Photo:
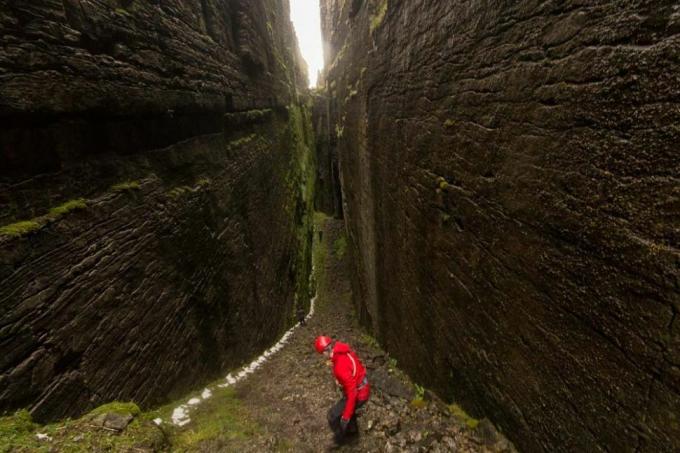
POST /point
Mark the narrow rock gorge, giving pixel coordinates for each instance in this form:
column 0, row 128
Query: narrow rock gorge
column 510, row 179
column 156, row 191
column 503, row 179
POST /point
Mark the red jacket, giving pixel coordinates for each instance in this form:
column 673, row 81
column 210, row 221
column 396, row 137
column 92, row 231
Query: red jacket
column 350, row 374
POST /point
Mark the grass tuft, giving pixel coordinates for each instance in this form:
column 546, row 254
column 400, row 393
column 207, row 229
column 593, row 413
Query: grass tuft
column 340, row 246
column 19, row 229
column 69, row 206
column 127, row 186
column 379, row 16
column 463, row 416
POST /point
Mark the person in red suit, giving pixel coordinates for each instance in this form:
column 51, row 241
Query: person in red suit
column 350, row 374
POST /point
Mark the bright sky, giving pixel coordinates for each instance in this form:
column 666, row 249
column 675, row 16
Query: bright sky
column 307, row 20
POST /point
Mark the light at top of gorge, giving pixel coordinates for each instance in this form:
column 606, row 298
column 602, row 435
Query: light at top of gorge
column 306, row 18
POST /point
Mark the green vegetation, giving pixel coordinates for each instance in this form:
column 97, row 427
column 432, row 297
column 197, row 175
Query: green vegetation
column 203, row 182
column 69, row 206
column 126, row 186
column 20, row 228
column 300, row 182
column 370, row 341
column 392, row 362
column 117, row 407
column 14, row 429
column 219, row 419
column 176, row 192
column 379, row 16
column 338, row 58
column 418, row 401
column 319, row 248
column 449, row 123
column 339, row 130
column 420, row 391
column 18, row 433
column 463, row 416
column 340, row 246
column 241, row 141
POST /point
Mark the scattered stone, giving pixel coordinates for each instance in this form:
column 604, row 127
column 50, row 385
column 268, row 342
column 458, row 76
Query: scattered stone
column 43, row 437
column 112, row 420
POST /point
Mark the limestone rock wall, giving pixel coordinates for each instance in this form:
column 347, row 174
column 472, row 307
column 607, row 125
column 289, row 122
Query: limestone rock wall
column 510, row 174
column 156, row 182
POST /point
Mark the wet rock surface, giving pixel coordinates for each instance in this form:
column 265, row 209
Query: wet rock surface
column 290, row 395
column 509, row 172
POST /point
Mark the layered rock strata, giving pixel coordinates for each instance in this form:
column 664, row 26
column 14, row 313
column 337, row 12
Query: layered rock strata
column 156, row 185
column 510, row 174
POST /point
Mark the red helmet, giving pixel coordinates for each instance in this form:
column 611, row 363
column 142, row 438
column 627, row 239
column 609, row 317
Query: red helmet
column 321, row 343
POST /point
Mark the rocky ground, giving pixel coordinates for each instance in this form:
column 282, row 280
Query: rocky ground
column 289, row 396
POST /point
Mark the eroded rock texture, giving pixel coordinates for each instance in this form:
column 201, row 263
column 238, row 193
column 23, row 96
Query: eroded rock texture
column 510, row 173
column 156, row 181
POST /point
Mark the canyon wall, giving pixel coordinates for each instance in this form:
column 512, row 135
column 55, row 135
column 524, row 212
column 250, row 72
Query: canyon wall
column 510, row 179
column 156, row 186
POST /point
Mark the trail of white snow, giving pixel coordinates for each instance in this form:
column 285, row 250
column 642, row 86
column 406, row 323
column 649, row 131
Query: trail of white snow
column 180, row 415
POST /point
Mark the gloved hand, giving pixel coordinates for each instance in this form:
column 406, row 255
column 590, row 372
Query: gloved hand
column 343, row 425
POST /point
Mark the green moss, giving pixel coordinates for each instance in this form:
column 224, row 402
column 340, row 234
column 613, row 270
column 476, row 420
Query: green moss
column 19, row 423
column 463, row 416
column 241, row 141
column 117, row 407
column 19, row 229
column 340, row 246
column 418, row 401
column 339, row 57
column 379, row 16
column 218, row 420
column 126, row 186
column 203, row 182
column 442, row 184
column 370, row 340
column 449, row 123
column 392, row 362
column 179, row 191
column 300, row 183
column 69, row 206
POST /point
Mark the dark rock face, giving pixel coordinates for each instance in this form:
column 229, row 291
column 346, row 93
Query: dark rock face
column 156, row 183
column 82, row 77
column 328, row 197
column 510, row 174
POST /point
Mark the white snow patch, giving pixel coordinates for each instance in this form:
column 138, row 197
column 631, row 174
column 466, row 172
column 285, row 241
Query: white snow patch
column 45, row 437
column 180, row 416
column 158, row 421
